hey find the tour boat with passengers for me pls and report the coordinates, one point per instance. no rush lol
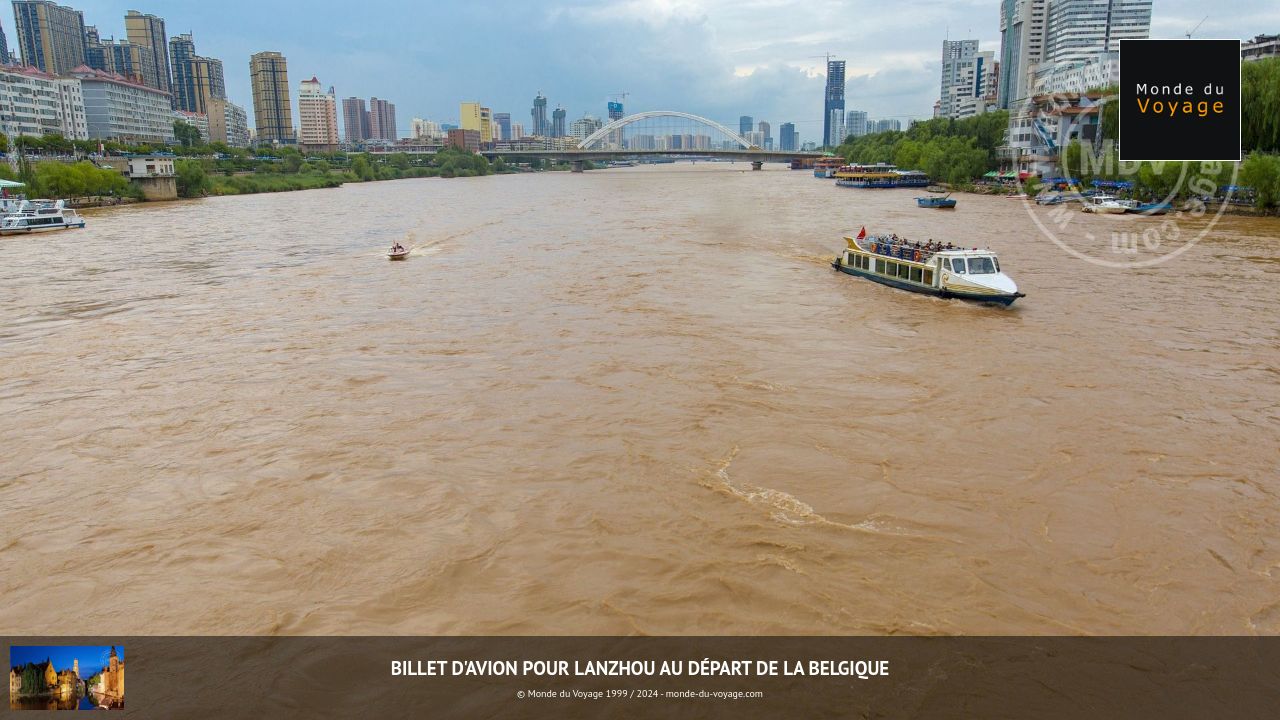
(40, 216)
(826, 167)
(948, 272)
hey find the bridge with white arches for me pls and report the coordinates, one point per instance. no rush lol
(660, 133)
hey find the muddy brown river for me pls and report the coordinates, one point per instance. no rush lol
(628, 401)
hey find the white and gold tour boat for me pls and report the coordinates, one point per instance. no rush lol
(948, 272)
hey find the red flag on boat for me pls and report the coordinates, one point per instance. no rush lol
(863, 232)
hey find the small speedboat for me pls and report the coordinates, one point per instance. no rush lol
(1108, 205)
(1050, 200)
(943, 203)
(398, 252)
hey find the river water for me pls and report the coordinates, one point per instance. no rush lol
(627, 401)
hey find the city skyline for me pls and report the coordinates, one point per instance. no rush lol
(728, 60)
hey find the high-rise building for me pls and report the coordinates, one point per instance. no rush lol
(317, 117)
(148, 31)
(745, 125)
(541, 128)
(486, 125)
(833, 103)
(382, 120)
(272, 110)
(582, 128)
(1022, 35)
(136, 62)
(558, 122)
(4, 47)
(886, 125)
(788, 140)
(766, 132)
(967, 74)
(355, 120)
(469, 116)
(855, 123)
(502, 125)
(181, 49)
(50, 36)
(425, 130)
(1079, 30)
(517, 131)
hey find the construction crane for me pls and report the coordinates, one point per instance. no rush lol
(1197, 27)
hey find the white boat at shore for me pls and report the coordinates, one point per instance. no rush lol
(40, 216)
(1108, 205)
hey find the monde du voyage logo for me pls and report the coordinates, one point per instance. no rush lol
(1180, 100)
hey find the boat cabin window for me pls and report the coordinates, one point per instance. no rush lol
(903, 270)
(957, 265)
(981, 266)
(915, 274)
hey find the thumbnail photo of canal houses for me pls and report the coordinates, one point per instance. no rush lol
(66, 677)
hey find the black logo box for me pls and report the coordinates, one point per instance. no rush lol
(1189, 64)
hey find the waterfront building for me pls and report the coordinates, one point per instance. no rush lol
(117, 108)
(181, 49)
(136, 62)
(317, 117)
(382, 120)
(855, 123)
(746, 124)
(486, 125)
(199, 121)
(207, 82)
(111, 681)
(833, 103)
(228, 123)
(766, 132)
(788, 139)
(420, 129)
(1100, 71)
(50, 36)
(1022, 36)
(582, 128)
(541, 127)
(37, 103)
(148, 31)
(1262, 46)
(272, 109)
(1078, 30)
(501, 126)
(355, 120)
(967, 75)
(469, 116)
(464, 139)
(15, 676)
(1044, 124)
(558, 122)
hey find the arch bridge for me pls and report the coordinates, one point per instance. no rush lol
(608, 143)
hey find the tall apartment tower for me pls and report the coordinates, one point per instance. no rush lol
(272, 114)
(1080, 30)
(765, 132)
(148, 31)
(539, 113)
(502, 126)
(50, 36)
(181, 50)
(1022, 35)
(746, 124)
(382, 120)
(355, 120)
(787, 137)
(833, 104)
(317, 117)
(967, 75)
(558, 122)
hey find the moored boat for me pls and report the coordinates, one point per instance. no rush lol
(40, 216)
(1107, 205)
(1159, 208)
(943, 203)
(826, 167)
(945, 272)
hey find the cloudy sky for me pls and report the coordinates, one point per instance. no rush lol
(717, 58)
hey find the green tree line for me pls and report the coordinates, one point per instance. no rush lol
(948, 150)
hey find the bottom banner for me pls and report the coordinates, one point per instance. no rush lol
(670, 677)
